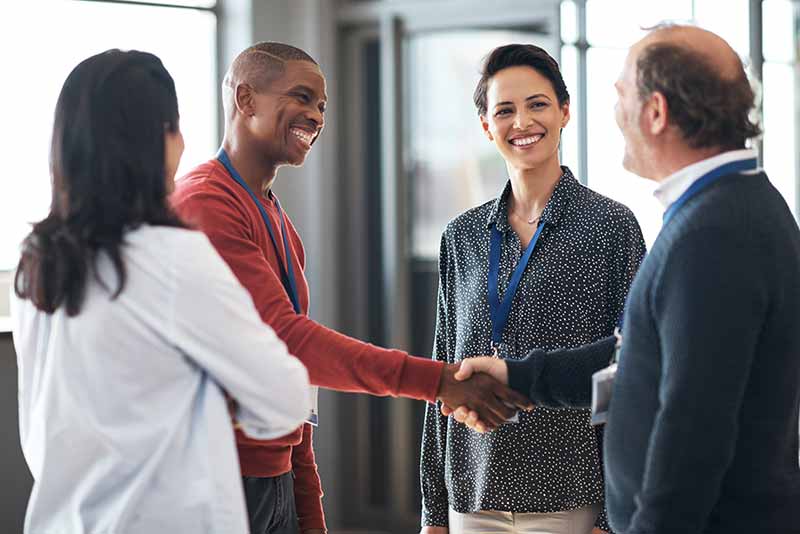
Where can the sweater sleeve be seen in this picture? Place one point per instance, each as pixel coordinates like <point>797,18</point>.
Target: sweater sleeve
<point>307,485</point>
<point>333,360</point>
<point>708,302</point>
<point>270,386</point>
<point>434,432</point>
<point>561,378</point>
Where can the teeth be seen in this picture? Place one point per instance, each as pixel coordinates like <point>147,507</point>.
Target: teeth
<point>525,141</point>
<point>302,135</point>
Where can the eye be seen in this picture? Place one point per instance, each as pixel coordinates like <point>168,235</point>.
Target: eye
<point>503,111</point>
<point>538,105</point>
<point>302,97</point>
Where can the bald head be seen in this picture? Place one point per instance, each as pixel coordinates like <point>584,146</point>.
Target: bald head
<point>708,94</point>
<point>258,66</point>
<point>713,49</point>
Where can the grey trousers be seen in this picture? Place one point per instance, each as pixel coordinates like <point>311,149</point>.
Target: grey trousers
<point>270,504</point>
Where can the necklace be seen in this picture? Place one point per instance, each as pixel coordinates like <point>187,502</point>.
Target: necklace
<point>529,220</point>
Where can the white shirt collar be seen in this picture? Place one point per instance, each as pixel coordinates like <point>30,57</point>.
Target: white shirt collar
<point>674,185</point>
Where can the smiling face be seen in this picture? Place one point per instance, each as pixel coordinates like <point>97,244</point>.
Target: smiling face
<point>289,114</point>
<point>524,119</point>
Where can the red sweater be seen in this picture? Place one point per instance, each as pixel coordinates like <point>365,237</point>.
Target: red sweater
<point>209,199</point>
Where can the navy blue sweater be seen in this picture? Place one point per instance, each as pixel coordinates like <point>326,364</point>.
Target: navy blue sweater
<point>703,425</point>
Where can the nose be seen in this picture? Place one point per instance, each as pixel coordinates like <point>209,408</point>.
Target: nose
<point>523,118</point>
<point>316,116</point>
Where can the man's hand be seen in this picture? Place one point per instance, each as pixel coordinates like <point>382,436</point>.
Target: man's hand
<point>491,401</point>
<point>494,367</point>
<point>434,530</point>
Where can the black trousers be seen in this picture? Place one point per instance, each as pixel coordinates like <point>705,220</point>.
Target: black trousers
<point>270,504</point>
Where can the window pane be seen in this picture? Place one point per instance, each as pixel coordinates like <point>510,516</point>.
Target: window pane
<point>780,135</point>
<point>779,21</point>
<point>619,23</point>
<point>734,26</point>
<point>606,145</point>
<point>452,166</point>
<point>190,3</point>
<point>569,22</point>
<point>184,39</point>
<point>569,137</point>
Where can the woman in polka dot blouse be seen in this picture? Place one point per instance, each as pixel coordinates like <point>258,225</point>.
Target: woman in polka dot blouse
<point>576,253</point>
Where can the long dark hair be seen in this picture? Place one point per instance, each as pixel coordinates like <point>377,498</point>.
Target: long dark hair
<point>107,165</point>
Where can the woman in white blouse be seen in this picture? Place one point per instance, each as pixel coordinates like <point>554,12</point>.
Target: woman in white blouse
<point>130,330</point>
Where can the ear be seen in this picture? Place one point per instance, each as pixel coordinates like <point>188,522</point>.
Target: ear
<point>244,98</point>
<point>657,113</point>
<point>485,126</point>
<point>565,113</point>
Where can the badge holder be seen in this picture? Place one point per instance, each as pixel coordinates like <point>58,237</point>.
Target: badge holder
<point>602,385</point>
<point>313,418</point>
<point>500,352</point>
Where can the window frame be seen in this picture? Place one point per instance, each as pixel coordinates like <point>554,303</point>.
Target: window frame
<point>7,275</point>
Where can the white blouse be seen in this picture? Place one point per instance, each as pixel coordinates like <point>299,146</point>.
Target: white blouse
<point>123,420</point>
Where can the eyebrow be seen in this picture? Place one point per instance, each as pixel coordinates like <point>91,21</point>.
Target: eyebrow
<point>308,90</point>
<point>537,95</point>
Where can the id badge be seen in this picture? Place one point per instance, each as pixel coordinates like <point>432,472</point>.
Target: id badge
<point>313,418</point>
<point>501,350</point>
<point>602,385</point>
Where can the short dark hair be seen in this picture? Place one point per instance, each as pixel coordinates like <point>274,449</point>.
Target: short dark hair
<point>513,55</point>
<point>266,61</point>
<point>709,109</point>
<point>107,164</point>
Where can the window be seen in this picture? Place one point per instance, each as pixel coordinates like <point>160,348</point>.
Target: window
<point>451,164</point>
<point>47,46</point>
<point>609,34</point>
<point>780,100</point>
<point>611,27</point>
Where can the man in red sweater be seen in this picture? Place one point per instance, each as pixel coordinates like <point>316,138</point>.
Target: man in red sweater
<point>274,99</point>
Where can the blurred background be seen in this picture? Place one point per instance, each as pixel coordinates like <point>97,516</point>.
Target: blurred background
<point>402,154</point>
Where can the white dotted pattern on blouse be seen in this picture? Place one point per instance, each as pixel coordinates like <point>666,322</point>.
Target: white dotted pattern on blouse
<point>571,293</point>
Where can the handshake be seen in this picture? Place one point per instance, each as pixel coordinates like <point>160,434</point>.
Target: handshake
<point>476,393</point>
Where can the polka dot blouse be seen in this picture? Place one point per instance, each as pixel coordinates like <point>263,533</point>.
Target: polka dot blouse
<point>571,293</point>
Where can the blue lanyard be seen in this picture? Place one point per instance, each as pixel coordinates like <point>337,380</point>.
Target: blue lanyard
<point>287,273</point>
<point>707,179</point>
<point>499,310</point>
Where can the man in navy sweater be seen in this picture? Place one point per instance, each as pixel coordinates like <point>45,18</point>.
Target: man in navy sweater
<point>702,432</point>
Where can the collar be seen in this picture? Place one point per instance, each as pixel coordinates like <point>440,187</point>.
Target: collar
<point>565,189</point>
<point>676,184</point>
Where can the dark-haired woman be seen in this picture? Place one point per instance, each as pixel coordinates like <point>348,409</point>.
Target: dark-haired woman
<point>545,265</point>
<point>124,329</point>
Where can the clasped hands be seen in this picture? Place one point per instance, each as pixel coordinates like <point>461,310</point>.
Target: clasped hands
<point>475,392</point>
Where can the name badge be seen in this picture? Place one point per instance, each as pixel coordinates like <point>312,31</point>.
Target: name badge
<point>313,418</point>
<point>502,351</point>
<point>602,385</point>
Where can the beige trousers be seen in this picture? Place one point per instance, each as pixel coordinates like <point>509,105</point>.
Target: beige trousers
<point>580,521</point>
